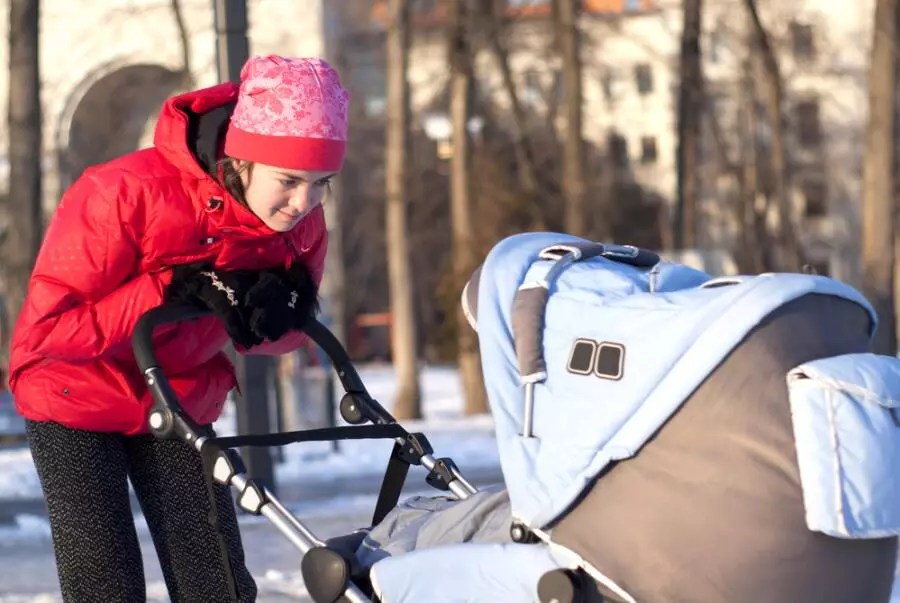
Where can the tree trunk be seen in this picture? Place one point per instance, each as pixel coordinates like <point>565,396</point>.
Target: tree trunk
<point>468,356</point>
<point>754,234</point>
<point>790,248</point>
<point>334,287</point>
<point>21,216</point>
<point>526,171</point>
<point>566,14</point>
<point>187,73</point>
<point>403,331</point>
<point>689,111</point>
<point>878,217</point>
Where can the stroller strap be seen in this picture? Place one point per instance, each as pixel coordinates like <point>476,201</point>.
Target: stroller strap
<point>211,448</point>
<point>325,434</point>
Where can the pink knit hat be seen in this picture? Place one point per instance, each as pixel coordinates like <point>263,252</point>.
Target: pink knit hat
<point>291,113</point>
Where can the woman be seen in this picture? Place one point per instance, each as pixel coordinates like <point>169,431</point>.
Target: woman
<point>225,211</point>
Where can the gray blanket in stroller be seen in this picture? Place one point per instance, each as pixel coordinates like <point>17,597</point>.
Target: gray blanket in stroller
<point>421,522</point>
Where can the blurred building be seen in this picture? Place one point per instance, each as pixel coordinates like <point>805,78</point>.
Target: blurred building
<point>108,64</point>
<point>630,85</point>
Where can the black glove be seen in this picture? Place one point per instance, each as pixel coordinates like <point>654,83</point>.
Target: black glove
<point>223,292</point>
<point>282,300</point>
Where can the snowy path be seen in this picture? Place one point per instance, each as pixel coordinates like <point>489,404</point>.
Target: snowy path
<point>29,570</point>
<point>27,567</point>
<point>340,488</point>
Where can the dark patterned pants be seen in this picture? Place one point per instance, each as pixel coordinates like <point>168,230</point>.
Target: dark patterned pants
<point>84,476</point>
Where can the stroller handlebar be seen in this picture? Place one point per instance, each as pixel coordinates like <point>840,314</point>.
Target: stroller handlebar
<point>362,402</point>
<point>223,465</point>
<point>142,338</point>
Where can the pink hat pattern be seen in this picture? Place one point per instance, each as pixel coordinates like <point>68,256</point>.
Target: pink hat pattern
<point>298,97</point>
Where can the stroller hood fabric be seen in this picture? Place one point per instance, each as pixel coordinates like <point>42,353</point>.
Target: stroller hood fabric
<point>663,330</point>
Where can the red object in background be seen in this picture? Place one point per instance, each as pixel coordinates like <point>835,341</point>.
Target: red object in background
<point>366,343</point>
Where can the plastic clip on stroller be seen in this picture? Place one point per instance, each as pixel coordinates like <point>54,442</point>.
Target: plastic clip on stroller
<point>327,571</point>
<point>530,305</point>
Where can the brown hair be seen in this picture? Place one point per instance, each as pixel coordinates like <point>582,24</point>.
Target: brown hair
<point>231,178</point>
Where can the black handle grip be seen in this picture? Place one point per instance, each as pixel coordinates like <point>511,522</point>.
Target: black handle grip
<point>634,256</point>
<point>142,342</point>
<point>142,338</point>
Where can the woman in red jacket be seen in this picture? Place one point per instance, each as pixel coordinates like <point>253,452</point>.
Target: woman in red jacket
<point>224,211</point>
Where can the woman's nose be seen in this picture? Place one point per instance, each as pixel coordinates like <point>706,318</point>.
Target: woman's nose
<point>300,200</point>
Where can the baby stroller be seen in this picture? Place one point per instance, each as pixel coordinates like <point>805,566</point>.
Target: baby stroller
<point>664,436</point>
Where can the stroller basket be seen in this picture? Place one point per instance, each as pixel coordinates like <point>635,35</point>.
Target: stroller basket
<point>327,571</point>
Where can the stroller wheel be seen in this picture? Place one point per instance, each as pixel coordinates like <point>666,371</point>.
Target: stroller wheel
<point>350,410</point>
<point>325,573</point>
<point>566,586</point>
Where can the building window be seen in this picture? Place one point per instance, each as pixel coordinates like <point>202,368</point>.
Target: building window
<point>606,82</point>
<point>643,76</point>
<point>716,44</point>
<point>424,7</point>
<point>610,82</point>
<point>648,149</point>
<point>375,105</point>
<point>618,150</point>
<point>802,42</point>
<point>368,81</point>
<point>532,92</point>
<point>815,196</point>
<point>820,268</point>
<point>559,88</point>
<point>806,114</point>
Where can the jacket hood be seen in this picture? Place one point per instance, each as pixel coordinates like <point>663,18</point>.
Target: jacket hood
<point>190,134</point>
<point>178,125</point>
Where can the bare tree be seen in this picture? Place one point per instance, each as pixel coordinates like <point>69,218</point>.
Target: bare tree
<point>460,56</point>
<point>791,250</point>
<point>690,99</point>
<point>526,171</point>
<point>21,217</point>
<point>754,234</point>
<point>878,223</point>
<point>403,331</point>
<point>187,74</point>
<point>566,13</point>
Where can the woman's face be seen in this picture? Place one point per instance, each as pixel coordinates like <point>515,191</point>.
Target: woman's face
<point>282,197</point>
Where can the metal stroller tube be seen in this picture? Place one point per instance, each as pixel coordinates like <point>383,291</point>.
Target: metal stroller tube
<point>166,410</point>
<point>223,465</point>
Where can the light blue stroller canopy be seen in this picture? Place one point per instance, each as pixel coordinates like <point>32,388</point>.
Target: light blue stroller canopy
<point>587,350</point>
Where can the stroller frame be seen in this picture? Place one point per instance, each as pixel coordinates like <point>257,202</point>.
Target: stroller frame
<point>327,572</point>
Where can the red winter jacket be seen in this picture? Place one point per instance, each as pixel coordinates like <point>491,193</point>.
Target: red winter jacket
<point>106,259</point>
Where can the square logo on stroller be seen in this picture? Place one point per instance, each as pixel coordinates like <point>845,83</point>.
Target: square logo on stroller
<point>604,359</point>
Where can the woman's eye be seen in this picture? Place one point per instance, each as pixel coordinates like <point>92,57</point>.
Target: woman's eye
<point>324,181</point>
<point>288,183</point>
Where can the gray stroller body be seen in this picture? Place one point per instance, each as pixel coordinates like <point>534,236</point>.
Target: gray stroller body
<point>664,437</point>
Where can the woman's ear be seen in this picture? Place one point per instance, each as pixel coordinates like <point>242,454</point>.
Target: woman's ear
<point>242,167</point>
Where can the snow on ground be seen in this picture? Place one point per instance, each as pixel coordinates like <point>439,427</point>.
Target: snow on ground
<point>469,441</point>
<point>29,574</point>
<point>26,555</point>
<point>18,478</point>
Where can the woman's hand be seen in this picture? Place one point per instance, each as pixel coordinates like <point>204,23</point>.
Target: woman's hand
<point>282,300</point>
<point>253,306</point>
<point>221,291</point>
